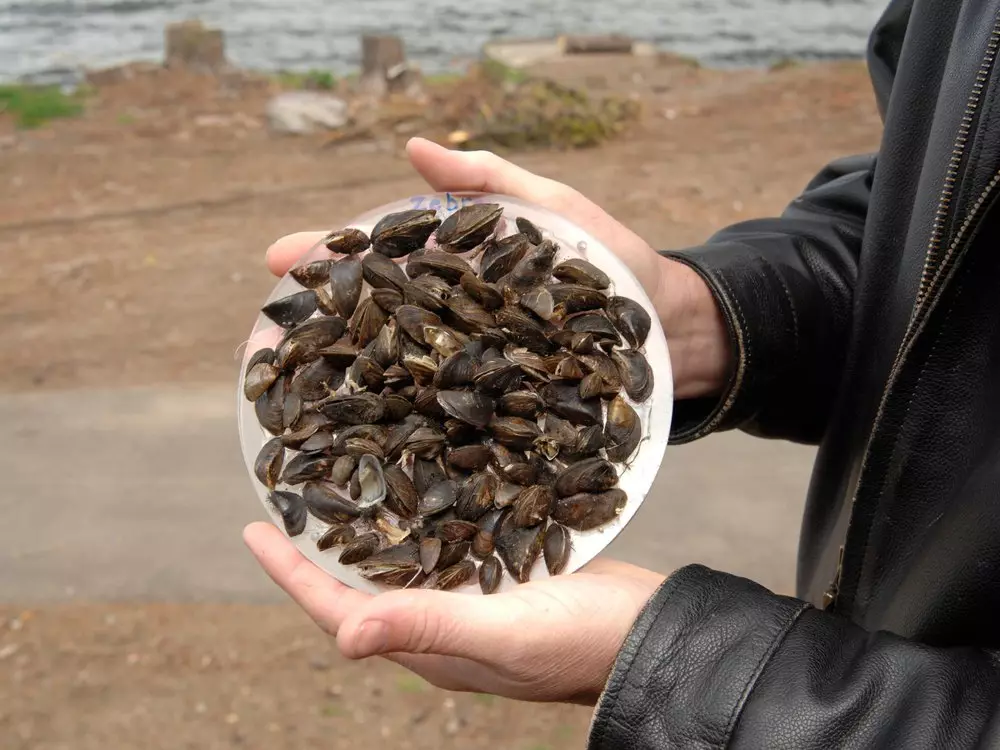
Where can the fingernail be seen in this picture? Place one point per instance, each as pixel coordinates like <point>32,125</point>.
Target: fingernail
<point>373,637</point>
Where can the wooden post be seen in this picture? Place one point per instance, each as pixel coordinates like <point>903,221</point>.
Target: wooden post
<point>190,44</point>
<point>380,55</point>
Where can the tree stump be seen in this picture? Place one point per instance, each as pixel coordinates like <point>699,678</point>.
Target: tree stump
<point>192,45</point>
<point>383,65</point>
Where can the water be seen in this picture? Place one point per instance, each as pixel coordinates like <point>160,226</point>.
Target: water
<point>53,38</point>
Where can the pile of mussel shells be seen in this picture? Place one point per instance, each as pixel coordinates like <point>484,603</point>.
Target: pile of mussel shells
<point>455,415</point>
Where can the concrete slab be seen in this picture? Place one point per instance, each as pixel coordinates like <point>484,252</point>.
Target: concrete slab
<point>141,494</point>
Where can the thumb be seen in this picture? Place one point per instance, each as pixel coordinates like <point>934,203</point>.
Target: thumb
<point>427,622</point>
<point>482,171</point>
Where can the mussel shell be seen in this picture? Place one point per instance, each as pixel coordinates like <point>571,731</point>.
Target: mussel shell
<point>373,432</point>
<point>422,368</point>
<point>532,363</point>
<point>398,435</point>
<point>574,298</point>
<point>468,226</point>
<point>261,355</point>
<point>387,299</point>
<point>368,321</point>
<point>519,549</point>
<point>492,338</point>
<point>457,370</point>
<point>482,544</point>
<point>328,505</point>
<point>443,340</point>
<point>292,511</point>
<point>473,408</point>
<point>304,342</point>
<point>589,475</point>
<point>258,379</point>
<point>317,379</point>
<point>586,511</point>
<point>359,549</point>
<point>267,466</point>
<point>564,399</point>
<point>539,301</point>
<point>532,506</point>
<point>291,310</point>
<point>365,375</point>
<point>304,429</point>
<point>397,376</point>
<point>427,474</point>
<point>456,530</point>
<point>460,433</point>
<point>606,367</point>
<point>498,376</point>
<point>589,440</point>
<point>490,575</point>
<point>581,272</point>
<point>345,285</point>
<point>413,319</point>
<point>596,323</point>
<point>636,374</point>
<point>306,466</point>
<point>342,470</point>
<point>556,548</point>
<point>319,441</point>
<point>438,497</point>
<point>449,267</point>
<point>335,536</point>
<point>426,402</point>
<point>349,241</point>
<point>469,457</point>
<point>382,273</point>
<point>559,436</point>
<point>457,575</point>
<point>313,274</point>
<point>292,409</point>
<point>359,447</point>
<point>514,432</point>
<point>340,354</point>
<point>524,404</point>
<point>385,349</point>
<point>502,256</point>
<point>452,554</point>
<point>426,292</point>
<point>425,442</point>
<point>430,553</point>
<point>354,409</point>
<point>484,293</point>
<point>522,329</point>
<point>476,496</point>
<point>467,315</point>
<point>529,230</point>
<point>631,319</point>
<point>622,431</point>
<point>372,482</point>
<point>534,268</point>
<point>397,408</point>
<point>591,386</point>
<point>398,234</point>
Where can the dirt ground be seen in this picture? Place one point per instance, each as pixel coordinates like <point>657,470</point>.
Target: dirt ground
<point>131,245</point>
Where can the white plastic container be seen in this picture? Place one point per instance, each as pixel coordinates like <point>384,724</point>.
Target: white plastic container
<point>635,478</point>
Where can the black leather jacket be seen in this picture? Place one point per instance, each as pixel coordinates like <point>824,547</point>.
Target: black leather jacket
<point>867,320</point>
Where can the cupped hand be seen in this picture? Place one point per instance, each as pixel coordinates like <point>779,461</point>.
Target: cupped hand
<point>696,333</point>
<point>555,639</point>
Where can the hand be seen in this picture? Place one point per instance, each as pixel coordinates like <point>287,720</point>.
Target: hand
<point>699,346</point>
<point>551,640</point>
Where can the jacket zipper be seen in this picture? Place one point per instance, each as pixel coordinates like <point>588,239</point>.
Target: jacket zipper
<point>936,264</point>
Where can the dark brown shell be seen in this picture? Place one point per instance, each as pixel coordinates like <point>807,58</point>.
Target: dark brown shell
<point>425,442</point>
<point>501,256</point>
<point>358,549</point>
<point>631,319</point>
<point>457,370</point>
<point>318,379</point>
<point>306,466</point>
<point>532,506</point>
<point>313,274</point>
<point>622,431</point>
<point>556,548</point>
<point>534,268</point>
<point>387,299</point>
<point>291,310</point>
<point>457,575</point>
<point>490,575</point>
<point>258,379</point>
<point>529,230</point>
<point>398,234</point>
<point>357,408</point>
<point>342,470</point>
<point>564,399</point>
<point>270,407</point>
<point>345,285</point>
<point>304,342</point>
<point>328,505</point>
<point>455,530</point>
<point>428,292</point>
<point>449,267</point>
<point>597,324</point>
<point>438,497</point>
<point>582,272</point>
<point>349,241</point>
<point>514,432</point>
<point>468,227</point>
<point>401,496</point>
<point>590,475</point>
<point>585,511</point>
<point>473,408</point>
<point>467,315</point>
<point>573,298</point>
<point>267,466</point>
<point>382,273</point>
<point>519,549</point>
<point>524,404</point>
<point>430,553</point>
<point>470,457</point>
<point>484,293</point>
<point>636,374</point>
<point>292,511</point>
<point>335,536</point>
<point>476,495</point>
<point>413,319</point>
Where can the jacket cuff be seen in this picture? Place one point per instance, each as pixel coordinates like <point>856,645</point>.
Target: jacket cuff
<point>690,662</point>
<point>760,319</point>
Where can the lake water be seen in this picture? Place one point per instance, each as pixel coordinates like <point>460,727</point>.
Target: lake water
<point>53,38</point>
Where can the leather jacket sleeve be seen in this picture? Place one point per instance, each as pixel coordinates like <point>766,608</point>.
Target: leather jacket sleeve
<point>785,287</point>
<point>716,661</point>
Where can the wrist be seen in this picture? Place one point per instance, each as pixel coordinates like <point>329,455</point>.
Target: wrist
<point>700,352</point>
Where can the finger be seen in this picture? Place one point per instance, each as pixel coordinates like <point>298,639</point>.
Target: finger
<point>482,171</point>
<point>282,254</point>
<point>325,600</point>
<point>429,622</point>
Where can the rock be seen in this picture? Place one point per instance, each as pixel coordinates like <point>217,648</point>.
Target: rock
<point>190,44</point>
<point>303,112</point>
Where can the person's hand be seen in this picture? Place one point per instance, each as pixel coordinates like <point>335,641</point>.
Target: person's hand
<point>699,346</point>
<point>550,640</point>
